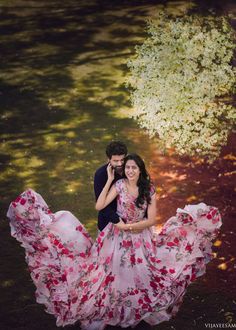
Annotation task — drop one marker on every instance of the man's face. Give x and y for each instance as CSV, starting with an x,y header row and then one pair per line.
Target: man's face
x,y
117,162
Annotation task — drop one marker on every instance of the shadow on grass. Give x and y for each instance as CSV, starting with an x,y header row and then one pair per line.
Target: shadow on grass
x,y
62,84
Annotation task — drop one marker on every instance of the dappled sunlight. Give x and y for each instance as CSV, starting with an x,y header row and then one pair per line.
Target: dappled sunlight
x,y
7,283
91,226
72,187
191,199
63,99
173,175
217,243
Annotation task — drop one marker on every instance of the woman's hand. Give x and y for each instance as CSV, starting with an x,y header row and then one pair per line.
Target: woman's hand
x,y
121,225
110,172
126,227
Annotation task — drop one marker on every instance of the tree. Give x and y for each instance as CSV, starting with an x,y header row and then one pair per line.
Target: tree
x,y
180,78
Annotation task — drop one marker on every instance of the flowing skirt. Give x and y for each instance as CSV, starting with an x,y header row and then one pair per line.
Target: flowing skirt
x,y
120,278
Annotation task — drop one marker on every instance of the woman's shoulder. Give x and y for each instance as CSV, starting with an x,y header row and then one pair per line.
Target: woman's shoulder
x,y
120,184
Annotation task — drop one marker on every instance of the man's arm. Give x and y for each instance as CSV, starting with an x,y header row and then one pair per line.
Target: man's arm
x,y
108,213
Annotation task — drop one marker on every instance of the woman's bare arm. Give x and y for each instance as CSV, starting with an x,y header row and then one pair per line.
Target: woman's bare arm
x,y
107,196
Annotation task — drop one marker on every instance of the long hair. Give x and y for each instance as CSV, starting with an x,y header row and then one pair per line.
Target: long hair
x,y
144,181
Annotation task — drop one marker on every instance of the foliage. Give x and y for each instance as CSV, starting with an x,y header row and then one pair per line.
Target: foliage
x,y
180,77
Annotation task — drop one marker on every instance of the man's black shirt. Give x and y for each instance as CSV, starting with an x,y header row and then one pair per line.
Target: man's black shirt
x,y
108,214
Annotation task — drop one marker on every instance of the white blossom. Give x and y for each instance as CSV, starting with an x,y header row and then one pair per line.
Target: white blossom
x,y
179,76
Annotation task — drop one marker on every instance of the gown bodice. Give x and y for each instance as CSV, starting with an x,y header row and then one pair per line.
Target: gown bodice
x,y
126,207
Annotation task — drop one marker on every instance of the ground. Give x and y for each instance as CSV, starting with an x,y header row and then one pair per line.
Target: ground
x,y
62,99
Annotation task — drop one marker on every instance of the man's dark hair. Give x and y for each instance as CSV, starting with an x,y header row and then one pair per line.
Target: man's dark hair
x,y
116,148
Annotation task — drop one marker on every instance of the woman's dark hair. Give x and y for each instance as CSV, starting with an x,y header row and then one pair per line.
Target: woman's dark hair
x,y
116,148
144,181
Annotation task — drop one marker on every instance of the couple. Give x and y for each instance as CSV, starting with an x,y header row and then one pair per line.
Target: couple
x,y
130,273
129,169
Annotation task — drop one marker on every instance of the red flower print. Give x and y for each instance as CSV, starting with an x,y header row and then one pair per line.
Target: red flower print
x,y
74,300
171,270
188,248
209,216
140,301
79,228
153,285
82,255
170,244
137,316
104,295
139,260
109,279
147,299
84,298
23,201
132,259
65,251
17,199
86,235
152,259
63,277
163,271
102,233
157,279
193,277
90,267
110,315
126,244
56,242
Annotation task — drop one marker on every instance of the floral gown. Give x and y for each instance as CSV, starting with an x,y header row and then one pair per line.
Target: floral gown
x,y
122,277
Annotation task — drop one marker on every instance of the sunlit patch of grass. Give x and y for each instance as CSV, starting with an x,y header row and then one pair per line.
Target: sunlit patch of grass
x,y
91,226
230,157
70,134
7,283
172,189
217,243
191,198
222,266
44,49
73,187
24,297
73,123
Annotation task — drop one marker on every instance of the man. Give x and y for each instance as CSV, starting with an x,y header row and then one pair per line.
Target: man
x,y
116,152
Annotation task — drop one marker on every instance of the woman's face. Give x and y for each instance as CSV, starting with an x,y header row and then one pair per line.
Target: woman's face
x,y
132,170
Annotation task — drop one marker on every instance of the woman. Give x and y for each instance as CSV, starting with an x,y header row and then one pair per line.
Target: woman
x,y
129,273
